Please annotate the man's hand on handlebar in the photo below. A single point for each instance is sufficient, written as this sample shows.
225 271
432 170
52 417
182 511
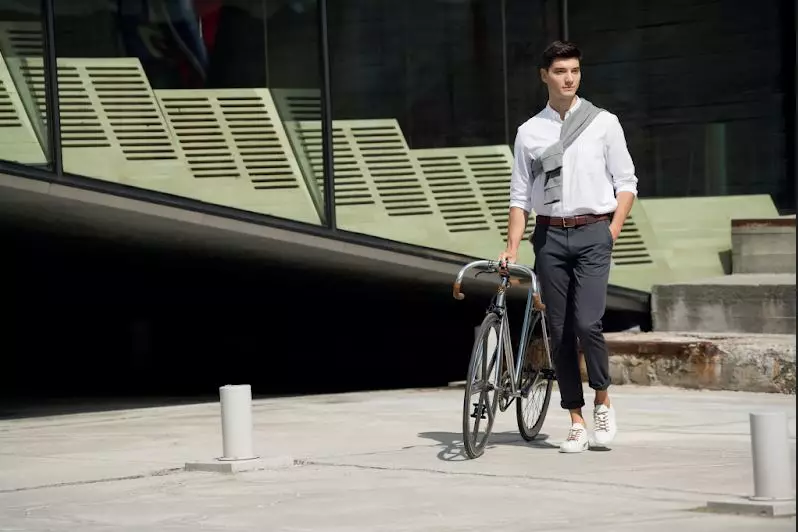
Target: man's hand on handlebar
506 256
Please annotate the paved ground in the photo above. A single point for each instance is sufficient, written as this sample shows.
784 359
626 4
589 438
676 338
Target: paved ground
384 461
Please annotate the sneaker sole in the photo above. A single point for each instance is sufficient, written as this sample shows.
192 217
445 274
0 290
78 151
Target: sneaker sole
601 446
575 451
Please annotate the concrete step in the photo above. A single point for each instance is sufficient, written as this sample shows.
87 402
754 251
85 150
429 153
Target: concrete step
744 303
763 245
730 362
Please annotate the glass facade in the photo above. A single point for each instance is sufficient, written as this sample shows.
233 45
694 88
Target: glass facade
401 112
419 119
701 88
197 98
24 135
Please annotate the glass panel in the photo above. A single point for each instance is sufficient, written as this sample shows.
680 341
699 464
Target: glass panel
531 26
197 98
422 150
23 130
699 89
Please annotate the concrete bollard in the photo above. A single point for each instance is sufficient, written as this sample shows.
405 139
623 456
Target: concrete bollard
773 491
237 440
236 404
771 456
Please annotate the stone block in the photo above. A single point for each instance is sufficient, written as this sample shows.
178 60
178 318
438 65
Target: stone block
763 245
745 303
732 362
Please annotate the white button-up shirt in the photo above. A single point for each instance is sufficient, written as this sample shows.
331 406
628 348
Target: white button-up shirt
595 167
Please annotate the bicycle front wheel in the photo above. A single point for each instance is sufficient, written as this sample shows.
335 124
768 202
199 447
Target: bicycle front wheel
481 390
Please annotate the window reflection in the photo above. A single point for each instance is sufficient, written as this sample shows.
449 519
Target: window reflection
421 137
192 98
23 126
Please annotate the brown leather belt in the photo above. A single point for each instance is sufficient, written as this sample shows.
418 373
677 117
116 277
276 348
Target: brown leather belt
571 221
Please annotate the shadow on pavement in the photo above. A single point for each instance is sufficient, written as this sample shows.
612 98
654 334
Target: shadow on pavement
451 443
35 407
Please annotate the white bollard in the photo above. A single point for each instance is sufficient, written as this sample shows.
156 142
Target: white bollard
771 455
236 403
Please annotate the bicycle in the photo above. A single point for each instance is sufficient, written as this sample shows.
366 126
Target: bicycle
493 349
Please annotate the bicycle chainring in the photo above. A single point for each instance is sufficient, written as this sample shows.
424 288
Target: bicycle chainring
505 398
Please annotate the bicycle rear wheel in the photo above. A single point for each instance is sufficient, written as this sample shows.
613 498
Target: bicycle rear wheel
480 412
535 382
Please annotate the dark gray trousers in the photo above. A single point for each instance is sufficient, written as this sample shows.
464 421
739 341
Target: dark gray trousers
573 268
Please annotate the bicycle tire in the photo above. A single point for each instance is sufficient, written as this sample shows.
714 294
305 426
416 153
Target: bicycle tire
541 382
487 363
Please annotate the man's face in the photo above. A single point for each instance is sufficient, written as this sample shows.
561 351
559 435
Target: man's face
562 77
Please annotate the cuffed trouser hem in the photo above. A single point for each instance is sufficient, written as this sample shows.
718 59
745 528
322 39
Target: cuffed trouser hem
600 387
572 405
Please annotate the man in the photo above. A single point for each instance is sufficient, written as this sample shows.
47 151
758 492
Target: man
581 185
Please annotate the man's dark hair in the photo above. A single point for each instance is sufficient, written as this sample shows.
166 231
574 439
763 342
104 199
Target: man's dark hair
559 50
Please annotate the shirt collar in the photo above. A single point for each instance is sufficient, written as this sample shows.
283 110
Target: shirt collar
556 116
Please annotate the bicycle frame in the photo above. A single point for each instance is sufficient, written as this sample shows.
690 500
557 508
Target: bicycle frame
499 306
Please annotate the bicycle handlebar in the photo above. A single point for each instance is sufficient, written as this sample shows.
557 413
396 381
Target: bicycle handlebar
494 266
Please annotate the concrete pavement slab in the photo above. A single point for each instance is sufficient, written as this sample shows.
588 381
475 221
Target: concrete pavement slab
385 461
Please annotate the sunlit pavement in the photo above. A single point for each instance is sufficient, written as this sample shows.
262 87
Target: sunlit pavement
386 461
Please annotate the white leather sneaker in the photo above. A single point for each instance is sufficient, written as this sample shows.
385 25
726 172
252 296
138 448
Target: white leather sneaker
577 440
604 426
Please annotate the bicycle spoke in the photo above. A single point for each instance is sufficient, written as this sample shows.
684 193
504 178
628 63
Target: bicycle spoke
536 399
479 406
535 383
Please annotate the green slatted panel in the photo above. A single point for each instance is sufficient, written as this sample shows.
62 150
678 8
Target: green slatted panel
81 126
233 140
379 187
472 187
398 180
637 258
131 111
455 193
631 248
352 186
491 167
372 163
22 39
111 125
18 140
297 106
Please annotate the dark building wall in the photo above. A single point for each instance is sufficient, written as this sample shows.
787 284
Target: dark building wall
434 66
702 89
87 317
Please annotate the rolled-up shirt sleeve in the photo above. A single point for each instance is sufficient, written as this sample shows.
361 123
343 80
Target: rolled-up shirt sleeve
520 180
619 161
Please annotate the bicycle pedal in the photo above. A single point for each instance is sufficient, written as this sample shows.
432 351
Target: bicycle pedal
479 411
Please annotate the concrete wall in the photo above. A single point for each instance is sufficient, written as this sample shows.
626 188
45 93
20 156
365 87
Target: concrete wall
763 246
752 303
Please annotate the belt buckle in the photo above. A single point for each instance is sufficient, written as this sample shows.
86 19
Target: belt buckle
569 222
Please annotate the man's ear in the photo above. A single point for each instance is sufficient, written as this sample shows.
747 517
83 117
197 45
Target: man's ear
543 73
